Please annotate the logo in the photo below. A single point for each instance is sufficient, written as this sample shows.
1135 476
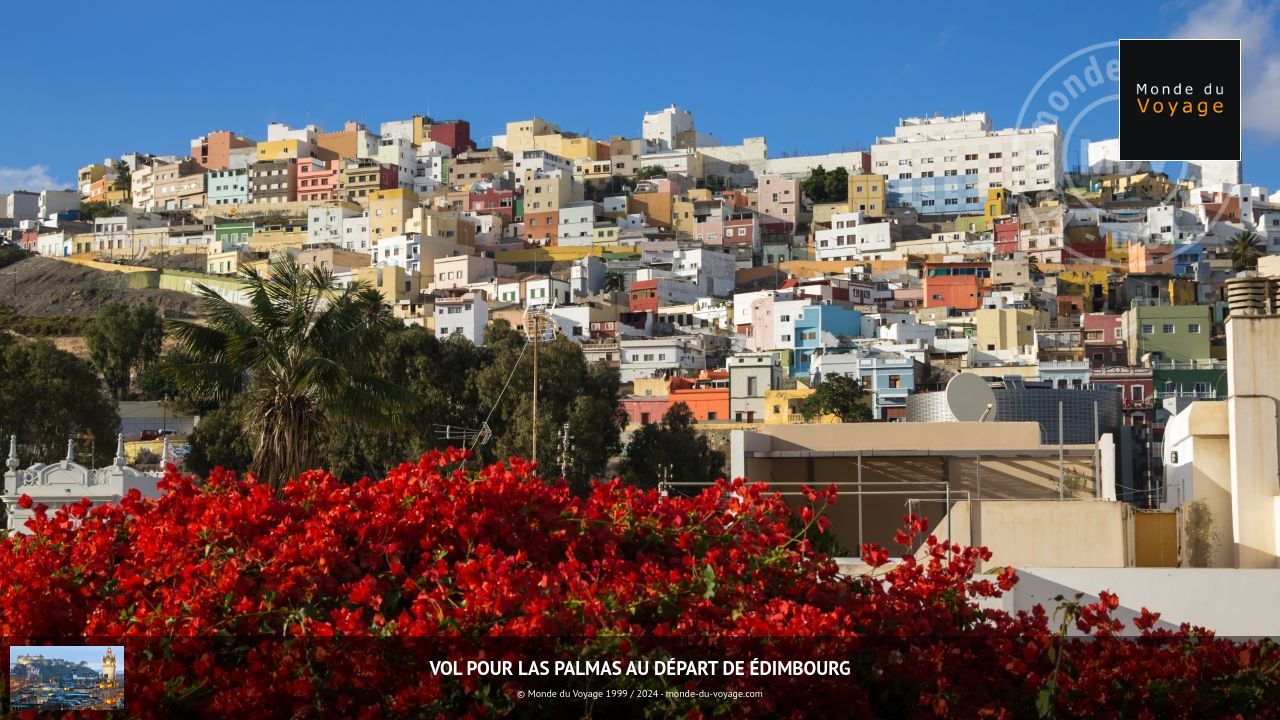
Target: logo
1180 98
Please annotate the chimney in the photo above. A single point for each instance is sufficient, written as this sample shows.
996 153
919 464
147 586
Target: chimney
1251 294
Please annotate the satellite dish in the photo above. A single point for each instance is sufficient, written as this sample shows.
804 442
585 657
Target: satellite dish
970 398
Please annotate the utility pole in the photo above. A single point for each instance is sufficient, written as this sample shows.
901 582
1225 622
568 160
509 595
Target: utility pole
534 317
564 451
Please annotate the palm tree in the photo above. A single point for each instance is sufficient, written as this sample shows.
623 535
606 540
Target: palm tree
1244 249
302 352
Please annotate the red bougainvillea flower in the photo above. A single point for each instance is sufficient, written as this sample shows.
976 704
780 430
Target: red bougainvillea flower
332 600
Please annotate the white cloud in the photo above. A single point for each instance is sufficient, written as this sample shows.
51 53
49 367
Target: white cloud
1254 24
34 178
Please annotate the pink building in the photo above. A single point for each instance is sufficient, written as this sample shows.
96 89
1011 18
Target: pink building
1104 339
779 201
317 180
760 332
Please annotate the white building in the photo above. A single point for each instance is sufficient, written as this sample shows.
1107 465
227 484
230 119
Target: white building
64 483
324 223
946 165
460 271
665 127
1104 159
465 315
654 357
53 202
403 251
751 375
577 224
23 205
851 237
355 232
714 272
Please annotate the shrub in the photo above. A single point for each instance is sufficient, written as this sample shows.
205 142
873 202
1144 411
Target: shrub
328 600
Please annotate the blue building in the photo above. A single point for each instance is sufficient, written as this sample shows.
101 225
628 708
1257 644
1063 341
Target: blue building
822 326
946 195
888 378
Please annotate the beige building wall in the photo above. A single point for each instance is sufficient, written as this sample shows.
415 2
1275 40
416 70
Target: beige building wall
390 212
910 463
1253 375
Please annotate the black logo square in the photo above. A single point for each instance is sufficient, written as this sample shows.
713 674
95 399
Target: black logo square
1180 99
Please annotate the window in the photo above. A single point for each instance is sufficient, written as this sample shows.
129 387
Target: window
1119 332
973 156
949 173
895 381
904 176
1136 392
927 174
711 415
993 156
952 201
1193 328
1148 329
1202 389
995 169
1167 328
971 171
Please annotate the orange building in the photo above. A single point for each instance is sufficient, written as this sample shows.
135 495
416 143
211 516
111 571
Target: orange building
213 151
542 228
706 395
956 285
1155 259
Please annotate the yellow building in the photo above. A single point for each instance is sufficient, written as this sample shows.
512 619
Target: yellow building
521 134
605 234
1148 186
997 204
283 149
1078 280
395 284
88 175
274 238
390 212
782 407
1006 328
867 194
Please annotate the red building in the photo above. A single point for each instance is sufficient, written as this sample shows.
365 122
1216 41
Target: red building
1104 339
960 286
454 133
494 202
1005 232
644 296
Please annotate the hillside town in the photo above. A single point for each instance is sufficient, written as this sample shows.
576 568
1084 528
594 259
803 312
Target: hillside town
1089 298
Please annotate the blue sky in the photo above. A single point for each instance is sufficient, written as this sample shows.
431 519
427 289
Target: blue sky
72 653
88 80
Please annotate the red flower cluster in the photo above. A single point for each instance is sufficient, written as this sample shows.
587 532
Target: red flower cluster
327 600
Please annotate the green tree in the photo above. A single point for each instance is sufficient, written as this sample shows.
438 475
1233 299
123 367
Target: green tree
124 176
124 340
673 449
46 394
220 441
304 354
90 211
437 374
823 187
614 281
571 391
651 171
838 395
1244 249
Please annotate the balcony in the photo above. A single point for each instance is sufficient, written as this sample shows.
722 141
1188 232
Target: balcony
1210 394
1189 365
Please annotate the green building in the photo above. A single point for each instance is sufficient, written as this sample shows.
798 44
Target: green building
232 234
1179 333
